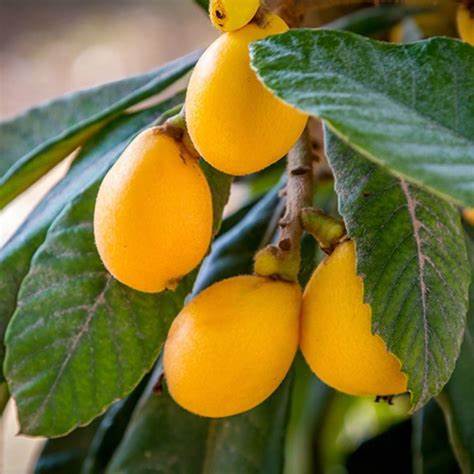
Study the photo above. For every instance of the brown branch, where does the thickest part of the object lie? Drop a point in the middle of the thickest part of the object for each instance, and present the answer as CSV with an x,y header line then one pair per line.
x,y
299,192
283,260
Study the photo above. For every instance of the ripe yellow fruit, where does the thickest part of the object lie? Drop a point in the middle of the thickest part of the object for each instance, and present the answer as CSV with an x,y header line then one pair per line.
x,y
230,15
336,337
236,124
231,347
465,22
153,214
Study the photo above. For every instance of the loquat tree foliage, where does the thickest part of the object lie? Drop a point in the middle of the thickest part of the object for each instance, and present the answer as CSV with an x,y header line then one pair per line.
x,y
143,332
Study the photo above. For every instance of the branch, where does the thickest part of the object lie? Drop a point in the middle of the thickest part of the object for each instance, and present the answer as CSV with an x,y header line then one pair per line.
x,y
299,192
284,259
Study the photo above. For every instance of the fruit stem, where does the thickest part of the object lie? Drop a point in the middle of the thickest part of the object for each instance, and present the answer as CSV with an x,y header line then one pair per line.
x,y
167,115
175,127
283,260
327,230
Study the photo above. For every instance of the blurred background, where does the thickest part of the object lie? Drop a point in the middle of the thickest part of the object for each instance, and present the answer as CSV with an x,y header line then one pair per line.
x,y
52,47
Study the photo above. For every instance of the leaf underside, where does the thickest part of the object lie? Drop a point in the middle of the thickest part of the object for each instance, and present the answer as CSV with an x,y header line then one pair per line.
x,y
407,107
32,143
412,255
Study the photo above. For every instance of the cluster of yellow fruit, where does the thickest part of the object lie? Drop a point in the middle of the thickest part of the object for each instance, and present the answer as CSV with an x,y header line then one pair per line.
x,y
233,344
231,347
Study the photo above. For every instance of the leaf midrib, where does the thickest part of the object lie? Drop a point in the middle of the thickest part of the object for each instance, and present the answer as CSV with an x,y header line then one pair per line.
x,y
417,225
70,353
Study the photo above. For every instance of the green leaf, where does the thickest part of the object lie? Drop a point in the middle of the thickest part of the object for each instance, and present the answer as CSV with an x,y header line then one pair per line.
x,y
110,432
309,402
220,183
232,253
234,219
412,256
457,399
252,442
374,19
432,453
407,107
93,161
34,142
161,437
79,340
66,455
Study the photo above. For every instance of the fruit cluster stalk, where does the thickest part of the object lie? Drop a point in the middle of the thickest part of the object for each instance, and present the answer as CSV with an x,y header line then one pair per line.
x,y
299,193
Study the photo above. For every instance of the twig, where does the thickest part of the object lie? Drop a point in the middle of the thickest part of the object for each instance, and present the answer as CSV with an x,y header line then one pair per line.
x,y
284,259
299,193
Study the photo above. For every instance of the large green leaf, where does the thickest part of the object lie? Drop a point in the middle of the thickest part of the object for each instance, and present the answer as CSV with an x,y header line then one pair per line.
x,y
34,142
457,399
110,432
412,255
252,442
161,437
79,340
221,183
66,455
309,402
232,254
431,451
164,438
407,107
92,163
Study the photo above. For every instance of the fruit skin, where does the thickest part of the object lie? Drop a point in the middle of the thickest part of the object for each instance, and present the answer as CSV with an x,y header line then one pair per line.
x,y
465,22
336,337
153,214
236,124
230,15
231,347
